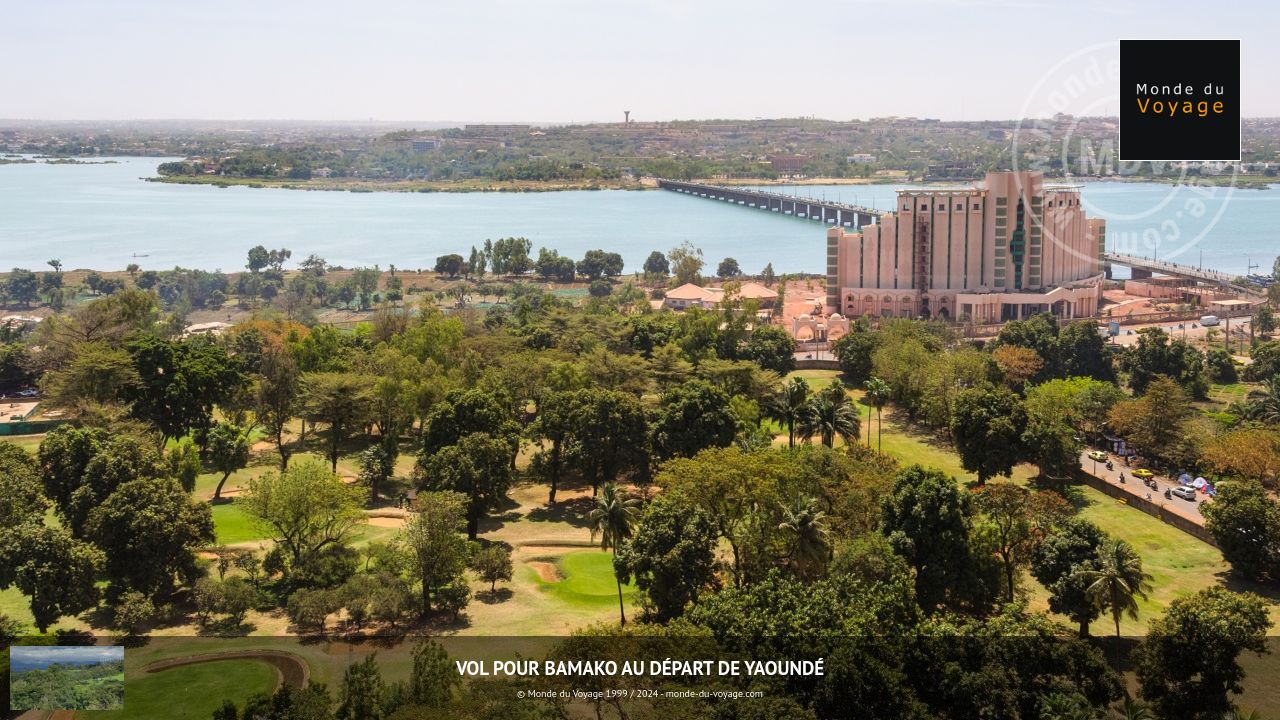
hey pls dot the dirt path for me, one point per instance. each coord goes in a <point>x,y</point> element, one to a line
<point>289,668</point>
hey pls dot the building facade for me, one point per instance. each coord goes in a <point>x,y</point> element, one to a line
<point>1003,249</point>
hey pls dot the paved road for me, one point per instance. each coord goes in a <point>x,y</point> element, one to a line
<point>1133,486</point>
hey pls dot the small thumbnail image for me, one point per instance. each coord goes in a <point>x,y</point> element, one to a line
<point>77,677</point>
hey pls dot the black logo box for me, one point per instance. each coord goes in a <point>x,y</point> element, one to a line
<point>1187,65</point>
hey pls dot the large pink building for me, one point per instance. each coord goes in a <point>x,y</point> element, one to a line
<point>1005,248</point>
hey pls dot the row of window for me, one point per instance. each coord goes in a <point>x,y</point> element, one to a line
<point>941,207</point>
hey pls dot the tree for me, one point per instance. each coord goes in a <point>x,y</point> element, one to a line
<point>1189,665</point>
<point>307,508</point>
<point>258,259</point>
<point>986,427</point>
<point>877,396</point>
<point>461,413</point>
<point>1016,520</point>
<point>612,519</point>
<point>671,556</point>
<point>1245,522</point>
<point>310,608</point>
<point>1060,562</point>
<point>1263,403</point>
<point>600,289</point>
<point>854,350</point>
<point>1155,355</point>
<point>479,467</point>
<point>598,264</point>
<point>236,598</point>
<point>182,382</point>
<point>21,495</point>
<point>377,465</point>
<point>439,552</point>
<point>360,697</point>
<point>433,678</point>
<point>768,275</point>
<point>53,569</point>
<point>927,522</point>
<point>228,446</point>
<point>686,263</point>
<point>805,525</point>
<point>1251,453</point>
<point>1264,320</point>
<point>97,373</point>
<point>150,531</point>
<point>1155,422</point>
<point>338,400</point>
<point>493,564</point>
<point>1084,352</point>
<point>728,269</point>
<point>277,398</point>
<point>1038,333</point>
<point>772,348</point>
<point>1118,582</point>
<point>132,612</point>
<point>830,417</point>
<point>81,467</point>
<point>450,265</point>
<point>656,265</point>
<point>693,416</point>
<point>790,406</point>
<point>23,286</point>
<point>1017,364</point>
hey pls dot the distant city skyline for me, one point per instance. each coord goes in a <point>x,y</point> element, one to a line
<point>564,61</point>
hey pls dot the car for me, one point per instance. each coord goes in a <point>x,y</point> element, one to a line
<point>1185,492</point>
<point>1143,473</point>
<point>1098,455</point>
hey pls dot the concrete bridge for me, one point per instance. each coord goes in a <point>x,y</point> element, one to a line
<point>1143,268</point>
<point>830,213</point>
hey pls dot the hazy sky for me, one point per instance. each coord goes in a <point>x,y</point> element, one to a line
<point>581,60</point>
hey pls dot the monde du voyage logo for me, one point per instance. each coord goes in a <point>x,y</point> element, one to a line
<point>1180,100</point>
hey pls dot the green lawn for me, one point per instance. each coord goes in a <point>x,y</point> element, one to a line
<point>587,579</point>
<point>191,691</point>
<point>233,526</point>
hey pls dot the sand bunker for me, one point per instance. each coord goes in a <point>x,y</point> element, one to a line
<point>547,572</point>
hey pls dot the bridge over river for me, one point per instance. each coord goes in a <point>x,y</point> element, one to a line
<point>1144,267</point>
<point>830,213</point>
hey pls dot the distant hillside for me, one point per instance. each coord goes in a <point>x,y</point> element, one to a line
<point>62,686</point>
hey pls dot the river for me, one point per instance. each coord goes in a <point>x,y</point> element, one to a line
<point>103,216</point>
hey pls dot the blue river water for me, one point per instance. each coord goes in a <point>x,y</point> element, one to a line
<point>104,216</point>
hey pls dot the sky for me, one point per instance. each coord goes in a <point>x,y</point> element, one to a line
<point>559,61</point>
<point>44,655</point>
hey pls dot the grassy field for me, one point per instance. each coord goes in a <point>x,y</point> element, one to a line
<point>233,526</point>
<point>190,692</point>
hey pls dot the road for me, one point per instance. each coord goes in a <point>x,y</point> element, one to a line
<point>1133,486</point>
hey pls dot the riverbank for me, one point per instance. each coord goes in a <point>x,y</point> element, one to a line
<point>403,186</point>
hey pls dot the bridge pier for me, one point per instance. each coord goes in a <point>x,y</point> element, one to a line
<point>829,213</point>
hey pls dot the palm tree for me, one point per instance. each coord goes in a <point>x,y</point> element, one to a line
<point>790,407</point>
<point>828,418</point>
<point>1263,404</point>
<point>1133,709</point>
<point>612,517</point>
<point>806,523</point>
<point>1118,583</point>
<point>877,395</point>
